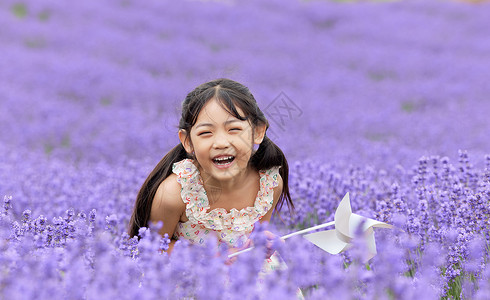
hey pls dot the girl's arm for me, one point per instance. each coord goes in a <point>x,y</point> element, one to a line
<point>277,194</point>
<point>168,207</point>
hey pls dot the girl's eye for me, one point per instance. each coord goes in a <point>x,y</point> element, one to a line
<point>204,132</point>
<point>236,129</point>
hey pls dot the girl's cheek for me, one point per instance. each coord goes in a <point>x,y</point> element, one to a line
<point>245,137</point>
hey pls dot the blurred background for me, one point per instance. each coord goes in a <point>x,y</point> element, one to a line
<point>371,83</point>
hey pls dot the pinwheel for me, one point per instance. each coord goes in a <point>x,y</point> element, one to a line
<point>340,238</point>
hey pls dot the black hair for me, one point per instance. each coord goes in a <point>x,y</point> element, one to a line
<point>230,94</point>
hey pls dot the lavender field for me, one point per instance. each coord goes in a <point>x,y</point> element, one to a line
<point>388,101</point>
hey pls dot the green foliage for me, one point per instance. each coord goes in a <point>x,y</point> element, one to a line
<point>408,106</point>
<point>44,15</point>
<point>19,10</point>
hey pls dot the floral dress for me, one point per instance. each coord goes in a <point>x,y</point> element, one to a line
<point>232,227</point>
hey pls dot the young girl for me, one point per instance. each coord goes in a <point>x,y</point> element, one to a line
<point>215,182</point>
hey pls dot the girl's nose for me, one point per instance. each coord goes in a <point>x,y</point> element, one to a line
<point>221,141</point>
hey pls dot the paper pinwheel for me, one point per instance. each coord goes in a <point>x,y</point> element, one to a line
<point>339,239</point>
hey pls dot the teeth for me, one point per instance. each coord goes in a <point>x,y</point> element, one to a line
<point>223,158</point>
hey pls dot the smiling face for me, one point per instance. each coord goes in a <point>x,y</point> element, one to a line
<point>222,144</point>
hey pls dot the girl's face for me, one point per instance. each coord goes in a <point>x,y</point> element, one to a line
<point>222,144</point>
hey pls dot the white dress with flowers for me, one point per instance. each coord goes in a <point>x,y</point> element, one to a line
<point>232,227</point>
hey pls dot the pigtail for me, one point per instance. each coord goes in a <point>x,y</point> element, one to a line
<point>144,200</point>
<point>267,156</point>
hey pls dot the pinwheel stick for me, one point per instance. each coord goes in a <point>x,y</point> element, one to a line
<point>300,232</point>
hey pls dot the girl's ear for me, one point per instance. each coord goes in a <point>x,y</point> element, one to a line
<point>185,139</point>
<point>259,133</point>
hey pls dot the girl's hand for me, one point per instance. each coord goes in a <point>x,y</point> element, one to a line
<point>271,237</point>
<point>247,244</point>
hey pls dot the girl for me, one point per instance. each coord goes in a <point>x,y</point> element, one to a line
<point>215,182</point>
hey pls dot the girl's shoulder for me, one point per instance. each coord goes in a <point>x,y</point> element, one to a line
<point>169,185</point>
<point>168,194</point>
<point>167,205</point>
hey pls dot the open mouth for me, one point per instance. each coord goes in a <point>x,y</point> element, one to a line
<point>223,160</point>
